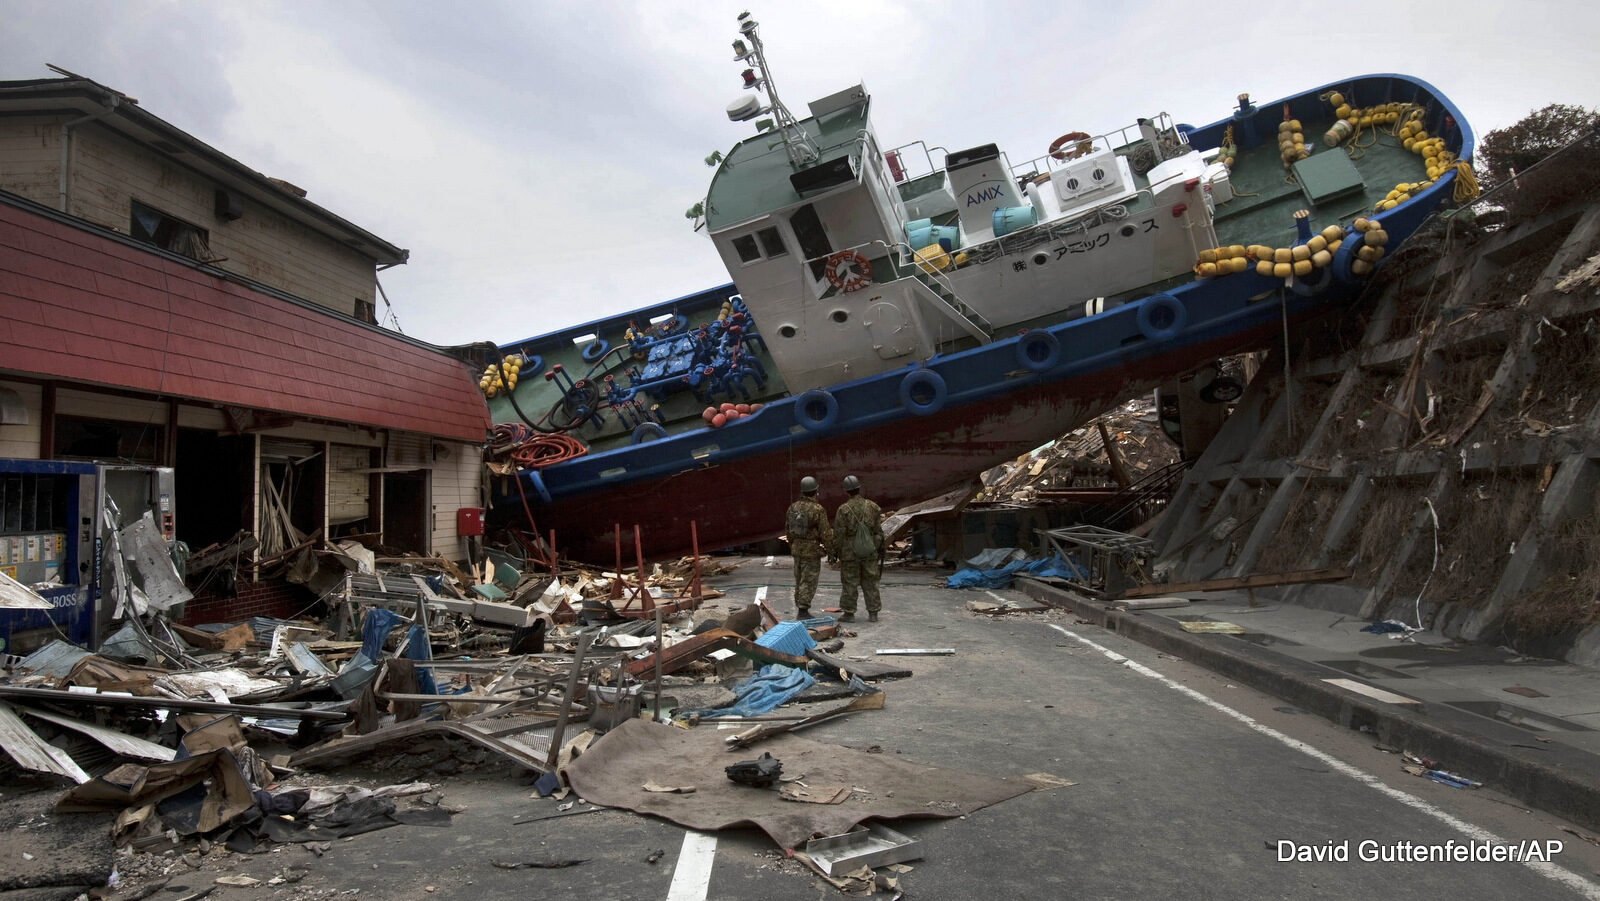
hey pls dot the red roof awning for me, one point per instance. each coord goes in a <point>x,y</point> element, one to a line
<point>81,306</point>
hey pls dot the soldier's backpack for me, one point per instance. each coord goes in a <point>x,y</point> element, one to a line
<point>799,524</point>
<point>862,543</point>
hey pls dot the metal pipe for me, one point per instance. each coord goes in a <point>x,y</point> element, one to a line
<point>110,102</point>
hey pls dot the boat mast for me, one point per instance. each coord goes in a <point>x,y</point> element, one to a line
<point>796,142</point>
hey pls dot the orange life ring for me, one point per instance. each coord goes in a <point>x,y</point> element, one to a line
<point>1084,142</point>
<point>848,271</point>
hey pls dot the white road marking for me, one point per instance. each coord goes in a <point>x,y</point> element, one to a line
<point>995,596</point>
<point>1371,691</point>
<point>691,878</point>
<point>761,595</point>
<point>1571,880</point>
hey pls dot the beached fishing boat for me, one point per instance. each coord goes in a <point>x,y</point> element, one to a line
<point>914,316</point>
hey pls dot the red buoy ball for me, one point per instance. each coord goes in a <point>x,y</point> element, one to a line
<point>718,421</point>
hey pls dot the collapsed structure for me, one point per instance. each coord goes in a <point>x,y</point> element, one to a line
<point>186,337</point>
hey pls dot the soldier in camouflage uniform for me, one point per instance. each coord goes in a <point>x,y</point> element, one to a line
<point>809,536</point>
<point>860,566</point>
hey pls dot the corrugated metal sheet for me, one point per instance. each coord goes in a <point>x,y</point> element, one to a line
<point>83,307</point>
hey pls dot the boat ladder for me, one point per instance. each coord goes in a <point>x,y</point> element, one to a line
<point>970,320</point>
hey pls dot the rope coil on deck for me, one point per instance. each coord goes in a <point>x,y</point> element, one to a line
<point>531,450</point>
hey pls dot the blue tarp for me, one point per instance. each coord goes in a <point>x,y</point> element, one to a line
<point>1055,567</point>
<point>770,687</point>
<point>375,628</point>
<point>417,649</point>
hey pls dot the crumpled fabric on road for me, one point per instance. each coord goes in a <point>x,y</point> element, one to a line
<point>763,692</point>
<point>1050,567</point>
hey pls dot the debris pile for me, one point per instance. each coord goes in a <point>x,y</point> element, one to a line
<point>1113,451</point>
<point>202,740</point>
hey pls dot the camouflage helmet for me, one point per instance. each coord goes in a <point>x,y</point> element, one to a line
<point>808,485</point>
<point>851,483</point>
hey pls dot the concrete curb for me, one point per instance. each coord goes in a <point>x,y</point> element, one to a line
<point>1560,780</point>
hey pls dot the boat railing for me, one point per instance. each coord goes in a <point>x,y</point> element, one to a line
<point>1111,140</point>
<point>906,153</point>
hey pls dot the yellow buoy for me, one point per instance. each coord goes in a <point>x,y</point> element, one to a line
<point>1333,232</point>
<point>1264,268</point>
<point>1208,255</point>
<point>1282,270</point>
<point>1316,244</point>
<point>1300,252</point>
<point>1321,259</point>
<point>1302,268</point>
<point>1282,255</point>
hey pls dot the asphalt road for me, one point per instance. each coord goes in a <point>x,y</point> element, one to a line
<point>1187,785</point>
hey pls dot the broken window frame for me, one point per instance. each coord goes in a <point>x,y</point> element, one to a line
<point>168,232</point>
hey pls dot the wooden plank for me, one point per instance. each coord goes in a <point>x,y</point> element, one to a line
<point>867,670</point>
<point>685,652</point>
<point>126,745</point>
<point>1263,580</point>
<point>34,753</point>
<point>103,699</point>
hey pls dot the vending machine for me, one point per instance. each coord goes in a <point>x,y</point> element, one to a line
<point>57,520</point>
<point>48,537</point>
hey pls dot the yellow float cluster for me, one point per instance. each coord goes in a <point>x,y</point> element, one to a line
<point>1360,119</point>
<point>1273,262</point>
<point>1291,142</point>
<point>1437,159</point>
<point>498,379</point>
<point>1373,238</point>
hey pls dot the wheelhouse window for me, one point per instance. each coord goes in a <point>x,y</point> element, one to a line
<point>765,244</point>
<point>152,226</point>
<point>771,243</point>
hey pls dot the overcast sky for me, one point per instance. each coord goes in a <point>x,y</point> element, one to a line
<point>537,157</point>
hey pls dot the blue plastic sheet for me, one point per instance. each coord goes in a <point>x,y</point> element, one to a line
<point>1053,567</point>
<point>375,627</point>
<point>769,688</point>
<point>417,649</point>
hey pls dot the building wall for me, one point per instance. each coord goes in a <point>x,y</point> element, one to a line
<point>275,598</point>
<point>457,477</point>
<point>349,484</point>
<point>30,158</point>
<point>21,440</point>
<point>109,171</point>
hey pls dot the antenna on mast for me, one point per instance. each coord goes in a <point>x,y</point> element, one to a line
<point>802,150</point>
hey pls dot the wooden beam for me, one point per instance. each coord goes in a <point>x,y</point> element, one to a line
<point>683,653</point>
<point>1263,580</point>
<point>103,699</point>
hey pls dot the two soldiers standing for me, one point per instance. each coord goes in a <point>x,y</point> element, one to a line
<point>855,540</point>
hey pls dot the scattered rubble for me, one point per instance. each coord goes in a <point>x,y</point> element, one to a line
<point>179,742</point>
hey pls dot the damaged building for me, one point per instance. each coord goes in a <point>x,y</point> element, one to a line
<point>190,337</point>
